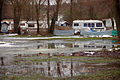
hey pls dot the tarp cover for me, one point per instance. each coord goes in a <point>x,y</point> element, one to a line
<point>108,32</point>
<point>64,32</point>
<point>114,33</point>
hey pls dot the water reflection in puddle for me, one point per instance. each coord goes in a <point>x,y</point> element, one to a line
<point>92,44</point>
<point>54,46</point>
<point>62,68</point>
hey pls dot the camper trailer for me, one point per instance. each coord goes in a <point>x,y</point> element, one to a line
<point>88,25</point>
<point>33,24</point>
<point>8,25</point>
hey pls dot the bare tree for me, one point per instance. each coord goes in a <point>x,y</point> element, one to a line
<point>28,11</point>
<point>71,12</point>
<point>48,15</point>
<point>117,15</point>
<point>89,9</point>
<point>1,8</point>
<point>55,16</point>
<point>17,10</point>
<point>37,7</point>
<point>38,4</point>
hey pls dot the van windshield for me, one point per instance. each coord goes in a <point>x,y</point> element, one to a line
<point>98,24</point>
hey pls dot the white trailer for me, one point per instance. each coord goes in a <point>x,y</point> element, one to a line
<point>8,25</point>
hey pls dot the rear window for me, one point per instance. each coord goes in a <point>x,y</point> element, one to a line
<point>76,24</point>
<point>98,24</point>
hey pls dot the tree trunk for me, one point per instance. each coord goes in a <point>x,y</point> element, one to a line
<point>37,20</point>
<point>117,15</point>
<point>55,16</point>
<point>71,12</point>
<point>52,24</point>
<point>1,6</point>
<point>37,16</point>
<point>38,29</point>
<point>17,16</point>
<point>48,16</point>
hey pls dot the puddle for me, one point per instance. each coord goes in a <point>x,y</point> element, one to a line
<point>52,69</point>
<point>63,68</point>
<point>18,46</point>
<point>18,54</point>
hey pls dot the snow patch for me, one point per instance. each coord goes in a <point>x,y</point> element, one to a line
<point>12,34</point>
<point>5,44</point>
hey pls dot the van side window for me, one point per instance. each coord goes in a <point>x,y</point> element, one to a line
<point>98,24</point>
<point>91,24</point>
<point>85,25</point>
<point>76,24</point>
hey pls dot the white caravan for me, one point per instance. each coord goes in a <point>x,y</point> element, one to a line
<point>88,25</point>
<point>8,25</point>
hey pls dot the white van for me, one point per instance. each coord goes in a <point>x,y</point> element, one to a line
<point>88,25</point>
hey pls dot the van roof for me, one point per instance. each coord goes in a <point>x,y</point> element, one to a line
<point>87,21</point>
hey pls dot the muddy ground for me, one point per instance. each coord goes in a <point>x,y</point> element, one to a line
<point>61,67</point>
<point>24,59</point>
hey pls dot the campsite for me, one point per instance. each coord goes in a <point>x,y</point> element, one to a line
<point>59,39</point>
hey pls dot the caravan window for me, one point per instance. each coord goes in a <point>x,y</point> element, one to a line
<point>31,25</point>
<point>98,24</point>
<point>85,25</point>
<point>76,24</point>
<point>22,24</point>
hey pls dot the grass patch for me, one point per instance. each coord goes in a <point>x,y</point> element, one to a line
<point>109,74</point>
<point>28,36</point>
<point>89,38</point>
<point>106,74</point>
<point>83,59</point>
<point>30,76</point>
<point>2,33</point>
<point>101,75</point>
